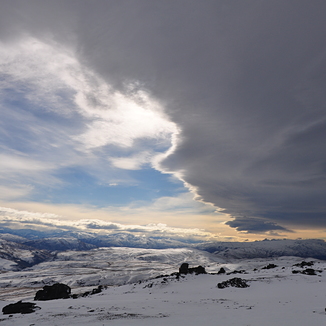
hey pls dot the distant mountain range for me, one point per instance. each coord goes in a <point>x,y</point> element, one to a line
<point>313,248</point>
<point>17,256</point>
<point>86,240</point>
<point>25,248</point>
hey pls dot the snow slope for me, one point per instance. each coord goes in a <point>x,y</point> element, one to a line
<point>20,255</point>
<point>102,266</point>
<point>276,296</point>
<point>315,248</point>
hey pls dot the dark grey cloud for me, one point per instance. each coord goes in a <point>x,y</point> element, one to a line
<point>244,80</point>
<point>255,225</point>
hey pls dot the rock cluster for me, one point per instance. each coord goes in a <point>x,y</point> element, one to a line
<point>270,266</point>
<point>184,269</point>
<point>234,282</point>
<point>304,264</point>
<point>88,293</point>
<point>307,271</point>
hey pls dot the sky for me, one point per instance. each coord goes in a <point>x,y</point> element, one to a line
<point>205,117</point>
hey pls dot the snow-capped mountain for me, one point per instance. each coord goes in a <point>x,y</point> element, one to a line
<point>18,252</point>
<point>67,240</point>
<point>268,248</point>
<point>59,244</point>
<point>73,240</point>
<point>12,238</point>
<point>124,239</point>
<point>16,256</point>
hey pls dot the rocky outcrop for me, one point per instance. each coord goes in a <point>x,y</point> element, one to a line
<point>304,264</point>
<point>270,266</point>
<point>241,271</point>
<point>20,308</point>
<point>234,282</point>
<point>184,269</point>
<point>55,291</point>
<point>88,293</point>
<point>307,271</point>
<point>221,271</point>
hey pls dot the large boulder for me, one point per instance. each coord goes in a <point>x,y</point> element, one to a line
<point>184,269</point>
<point>55,291</point>
<point>221,271</point>
<point>20,308</point>
<point>197,270</point>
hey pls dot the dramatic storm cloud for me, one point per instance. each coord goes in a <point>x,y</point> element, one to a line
<point>227,96</point>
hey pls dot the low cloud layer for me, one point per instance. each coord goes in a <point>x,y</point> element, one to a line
<point>238,89</point>
<point>52,224</point>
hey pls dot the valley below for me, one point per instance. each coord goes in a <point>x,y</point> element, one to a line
<point>142,286</point>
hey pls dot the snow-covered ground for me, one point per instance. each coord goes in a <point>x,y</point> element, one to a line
<point>276,296</point>
<point>102,266</point>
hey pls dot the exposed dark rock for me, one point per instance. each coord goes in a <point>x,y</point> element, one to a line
<point>304,263</point>
<point>197,270</point>
<point>55,291</point>
<point>165,275</point>
<point>242,271</point>
<point>88,293</point>
<point>270,266</point>
<point>308,271</point>
<point>184,269</point>
<point>221,271</point>
<point>234,282</point>
<point>149,285</point>
<point>97,290</point>
<point>20,308</point>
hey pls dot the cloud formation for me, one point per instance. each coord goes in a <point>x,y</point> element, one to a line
<point>59,114</point>
<point>242,83</point>
<point>255,225</point>
<point>50,224</point>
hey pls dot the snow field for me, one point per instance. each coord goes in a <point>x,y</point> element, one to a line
<point>275,297</point>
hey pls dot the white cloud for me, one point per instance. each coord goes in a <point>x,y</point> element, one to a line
<point>11,192</point>
<point>119,120</point>
<point>184,203</point>
<point>19,164</point>
<point>95,121</point>
<point>134,162</point>
<point>21,219</point>
<point>20,175</point>
<point>25,215</point>
<point>50,76</point>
